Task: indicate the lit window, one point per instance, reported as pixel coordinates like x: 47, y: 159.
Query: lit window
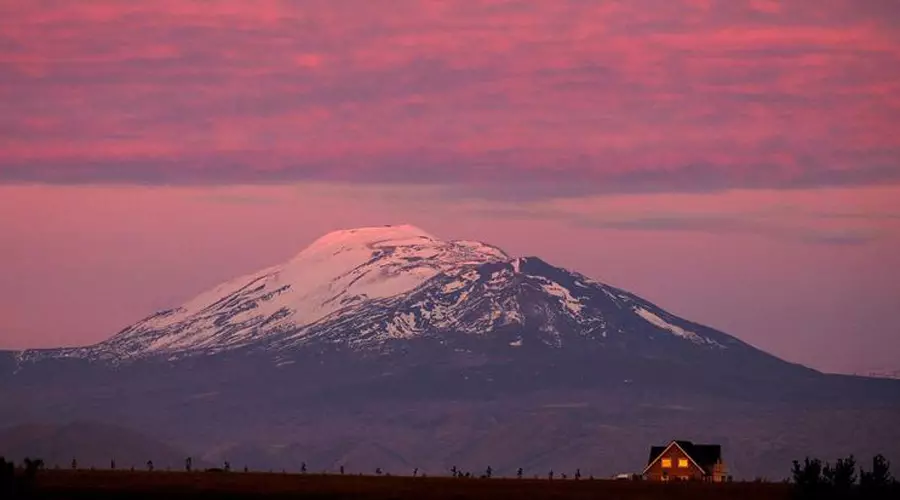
x: 667, y: 463
x: 682, y: 463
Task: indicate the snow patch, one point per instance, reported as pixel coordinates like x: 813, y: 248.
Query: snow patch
x: 571, y: 304
x: 663, y: 324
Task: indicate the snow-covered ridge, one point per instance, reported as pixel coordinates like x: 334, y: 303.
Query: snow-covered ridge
x: 366, y: 287
x: 336, y: 271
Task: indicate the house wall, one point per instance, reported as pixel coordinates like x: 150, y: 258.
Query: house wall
x: 658, y: 473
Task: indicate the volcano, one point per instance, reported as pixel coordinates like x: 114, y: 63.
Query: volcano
x: 375, y: 336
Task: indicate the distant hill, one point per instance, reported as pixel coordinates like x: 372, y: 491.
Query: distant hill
x: 93, y: 444
x: 893, y: 374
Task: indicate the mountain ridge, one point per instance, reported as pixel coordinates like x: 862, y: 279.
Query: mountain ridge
x: 367, y: 287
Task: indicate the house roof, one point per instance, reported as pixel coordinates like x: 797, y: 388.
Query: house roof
x: 704, y: 455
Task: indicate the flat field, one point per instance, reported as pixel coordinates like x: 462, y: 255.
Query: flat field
x: 234, y: 485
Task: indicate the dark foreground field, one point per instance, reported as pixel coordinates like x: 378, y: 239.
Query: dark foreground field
x: 234, y: 485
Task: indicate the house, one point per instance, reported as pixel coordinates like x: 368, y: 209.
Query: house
x: 684, y: 460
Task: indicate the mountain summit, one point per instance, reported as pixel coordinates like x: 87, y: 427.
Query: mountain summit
x: 398, y: 288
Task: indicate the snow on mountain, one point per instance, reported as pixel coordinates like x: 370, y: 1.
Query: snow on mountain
x: 523, y: 301
x: 365, y: 287
x: 335, y: 272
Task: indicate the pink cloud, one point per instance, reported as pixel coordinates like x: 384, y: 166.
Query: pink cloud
x: 649, y: 94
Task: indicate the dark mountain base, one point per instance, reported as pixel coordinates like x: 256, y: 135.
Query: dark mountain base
x: 594, y: 414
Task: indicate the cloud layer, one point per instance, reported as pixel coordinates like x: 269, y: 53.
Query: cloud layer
x: 611, y: 96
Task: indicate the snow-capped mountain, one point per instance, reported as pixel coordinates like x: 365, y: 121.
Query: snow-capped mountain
x: 366, y: 288
x: 442, y: 353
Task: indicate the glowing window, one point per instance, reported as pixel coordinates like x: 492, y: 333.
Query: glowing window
x: 667, y: 463
x: 682, y: 463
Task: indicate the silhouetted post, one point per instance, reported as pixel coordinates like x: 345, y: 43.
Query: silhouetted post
x: 112, y: 464
x: 246, y: 469
x: 519, y: 473
x: 74, y: 464
x: 188, y: 464
x: 342, y: 470
x: 577, y: 474
x: 488, y: 472
x: 550, y: 475
x: 303, y: 468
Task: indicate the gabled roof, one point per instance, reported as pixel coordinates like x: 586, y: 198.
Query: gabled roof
x: 704, y: 456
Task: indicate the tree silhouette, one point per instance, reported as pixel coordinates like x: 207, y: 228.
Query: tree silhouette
x: 303, y: 468
x: 841, y: 476
x: 7, y: 478
x: 880, y: 474
x: 74, y: 464
x: 519, y: 473
x: 12, y: 486
x: 227, y: 466
x: 342, y: 470
x: 550, y: 475
x: 808, y: 475
x: 488, y: 472
x: 378, y: 471
x: 188, y: 464
x: 577, y: 474
x: 150, y: 465
x: 813, y: 480
x: 416, y: 472
x: 454, y: 471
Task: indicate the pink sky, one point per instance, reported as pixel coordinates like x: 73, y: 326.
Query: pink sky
x: 736, y: 162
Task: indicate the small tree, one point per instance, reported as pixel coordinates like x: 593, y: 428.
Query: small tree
x: 841, y: 476
x: 879, y: 476
x: 808, y: 474
x: 577, y: 474
x: 454, y: 471
x: 488, y: 472
x: 150, y: 465
x: 519, y: 473
x: 227, y: 466
x: 188, y: 464
x: 550, y: 475
x: 303, y: 468
x: 7, y: 478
